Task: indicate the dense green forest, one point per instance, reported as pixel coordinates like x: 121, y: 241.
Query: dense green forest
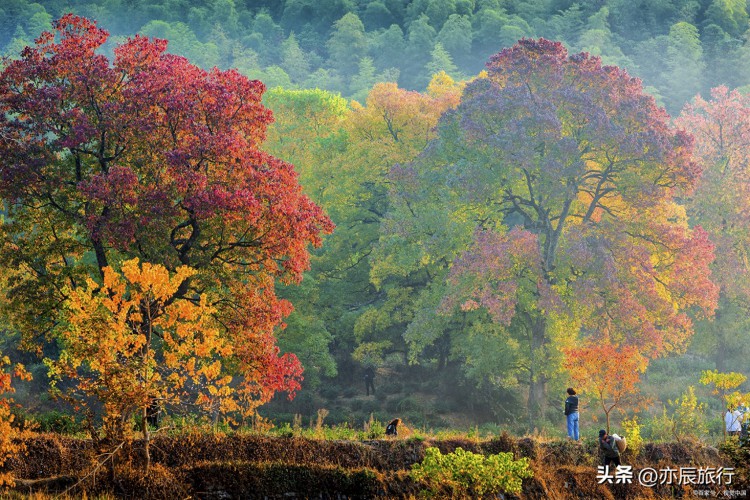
x: 358, y: 89
x: 678, y: 47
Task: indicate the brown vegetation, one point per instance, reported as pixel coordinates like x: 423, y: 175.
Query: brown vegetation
x: 257, y: 466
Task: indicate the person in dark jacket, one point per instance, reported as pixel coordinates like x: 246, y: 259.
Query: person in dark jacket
x: 369, y: 380
x: 392, y: 427
x: 571, y: 414
x: 609, y: 448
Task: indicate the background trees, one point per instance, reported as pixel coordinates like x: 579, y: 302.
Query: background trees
x: 666, y: 43
x: 413, y: 237
x: 551, y: 161
x: 721, y: 127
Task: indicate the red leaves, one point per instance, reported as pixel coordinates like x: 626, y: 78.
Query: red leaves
x: 721, y: 202
x: 149, y: 155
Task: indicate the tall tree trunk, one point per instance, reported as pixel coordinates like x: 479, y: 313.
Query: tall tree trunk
x: 537, y: 401
x: 146, y: 437
x: 146, y: 327
x: 720, y: 349
x: 443, y: 345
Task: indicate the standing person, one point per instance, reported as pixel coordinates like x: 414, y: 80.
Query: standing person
x: 745, y: 426
x: 571, y: 414
x: 733, y: 422
x: 369, y: 377
x: 608, y: 446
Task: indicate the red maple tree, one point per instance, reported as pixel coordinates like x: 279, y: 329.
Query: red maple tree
x: 149, y: 156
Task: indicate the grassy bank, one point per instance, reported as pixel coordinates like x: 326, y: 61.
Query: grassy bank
x: 255, y: 465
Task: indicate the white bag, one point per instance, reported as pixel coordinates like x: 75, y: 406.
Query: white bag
x: 620, y: 442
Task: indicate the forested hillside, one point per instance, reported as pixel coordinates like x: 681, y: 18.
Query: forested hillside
x: 509, y: 222
x: 678, y: 47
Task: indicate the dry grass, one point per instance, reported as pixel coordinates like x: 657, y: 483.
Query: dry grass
x: 186, y: 465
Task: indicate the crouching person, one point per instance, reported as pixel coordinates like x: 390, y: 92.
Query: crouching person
x: 609, y: 449
x: 392, y: 427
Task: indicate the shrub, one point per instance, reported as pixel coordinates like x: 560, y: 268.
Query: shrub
x: 660, y: 428
x: 408, y: 403
x: 632, y: 430
x: 469, y: 474
x: 370, y: 406
x: 392, y: 388
x: 373, y: 428
x: 59, y: 422
x: 9, y: 434
x: 689, y: 416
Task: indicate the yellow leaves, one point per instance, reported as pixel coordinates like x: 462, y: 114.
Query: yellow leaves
x: 722, y: 381
x: 128, y: 340
x: 154, y: 281
x: 443, y: 87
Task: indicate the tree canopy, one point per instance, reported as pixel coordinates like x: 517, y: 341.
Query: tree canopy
x: 568, y: 176
x: 149, y: 156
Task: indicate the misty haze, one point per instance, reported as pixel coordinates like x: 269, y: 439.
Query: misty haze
x: 345, y: 247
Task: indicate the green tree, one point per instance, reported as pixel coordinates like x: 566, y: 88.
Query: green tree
x: 388, y: 47
x: 455, y: 36
x: 420, y: 44
x: 597, y: 40
x: 363, y: 81
x: 684, y: 77
x: 441, y: 61
x: 435, y: 11
x: 566, y: 25
x: 17, y: 43
x: 183, y: 42
x: 377, y: 15
x: 730, y: 15
x: 347, y: 44
x: 225, y: 15
x: 294, y: 60
x: 309, y: 132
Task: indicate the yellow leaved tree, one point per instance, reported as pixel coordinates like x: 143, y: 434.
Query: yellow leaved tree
x: 127, y: 345
x: 725, y: 385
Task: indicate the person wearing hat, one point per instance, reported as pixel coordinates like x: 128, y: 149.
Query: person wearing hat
x: 571, y: 414
x: 609, y: 448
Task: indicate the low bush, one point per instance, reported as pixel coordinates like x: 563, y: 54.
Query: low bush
x: 464, y: 473
x: 632, y: 431
x: 59, y: 422
x: 373, y: 429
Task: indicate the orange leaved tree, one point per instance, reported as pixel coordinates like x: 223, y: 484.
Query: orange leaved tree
x: 9, y: 445
x: 126, y: 345
x: 608, y: 373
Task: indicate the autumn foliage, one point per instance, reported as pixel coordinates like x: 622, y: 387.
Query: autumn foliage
x: 10, y: 445
x: 109, y: 335
x: 721, y: 127
x: 147, y: 156
x: 607, y: 373
x: 590, y: 168
x: 551, y: 199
